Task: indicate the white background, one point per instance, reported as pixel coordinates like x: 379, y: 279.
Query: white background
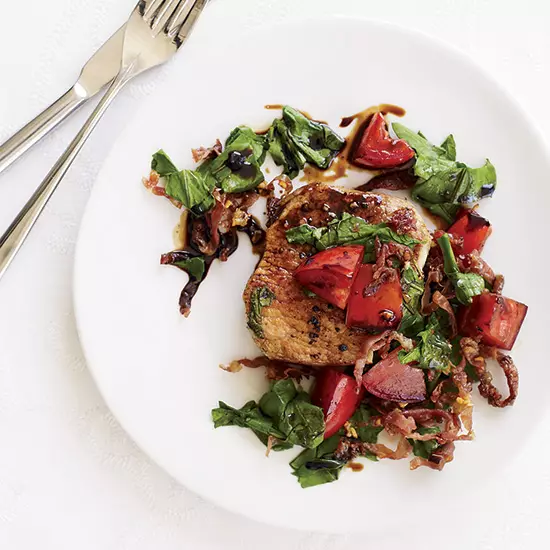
x: 69, y: 476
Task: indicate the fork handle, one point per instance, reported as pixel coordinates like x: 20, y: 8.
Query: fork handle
x: 44, y: 123
x: 17, y: 232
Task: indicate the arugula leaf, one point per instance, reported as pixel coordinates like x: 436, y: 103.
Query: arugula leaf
x: 444, y: 184
x: 191, y: 188
x: 347, y: 230
x: 195, y: 267
x: 317, y: 466
x: 432, y: 351
x: 425, y: 449
x: 249, y: 416
x: 317, y: 142
x: 246, y: 147
x: 412, y: 284
x: 260, y: 298
x: 467, y: 285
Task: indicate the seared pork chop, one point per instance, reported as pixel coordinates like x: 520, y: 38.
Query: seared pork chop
x: 307, y: 330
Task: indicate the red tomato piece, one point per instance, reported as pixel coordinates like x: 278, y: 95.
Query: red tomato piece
x: 330, y: 273
x: 337, y: 394
x: 493, y: 317
x: 374, y: 306
x: 377, y: 149
x: 473, y: 228
x: 392, y: 380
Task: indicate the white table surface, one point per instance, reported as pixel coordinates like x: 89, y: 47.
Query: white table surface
x: 70, y: 478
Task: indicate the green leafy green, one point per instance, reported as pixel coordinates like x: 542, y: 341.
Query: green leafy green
x: 249, y: 416
x: 301, y: 422
x: 308, y: 293
x: 317, y: 466
x: 284, y: 412
x: 252, y: 147
x: 242, y: 138
x: 412, y: 284
x: 295, y: 140
x: 466, y: 285
x: 194, y: 267
x: 316, y: 141
x: 444, y: 184
x: 425, y: 449
x: 283, y: 150
x: 361, y: 421
x: 347, y: 230
x: 191, y: 188
x: 162, y: 164
x: 432, y: 350
x: 260, y: 298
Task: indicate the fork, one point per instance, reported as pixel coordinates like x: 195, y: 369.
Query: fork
x: 155, y: 30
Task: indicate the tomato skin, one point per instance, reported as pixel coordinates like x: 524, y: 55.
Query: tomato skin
x: 474, y: 230
x: 330, y: 273
x: 377, y: 149
x: 337, y: 394
x: 381, y: 310
x: 493, y: 317
x: 392, y: 380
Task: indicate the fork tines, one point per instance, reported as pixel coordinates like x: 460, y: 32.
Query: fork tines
x: 174, y: 17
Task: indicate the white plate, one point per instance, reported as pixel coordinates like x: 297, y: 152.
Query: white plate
x: 159, y: 372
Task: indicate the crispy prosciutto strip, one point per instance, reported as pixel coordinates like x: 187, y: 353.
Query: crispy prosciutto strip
x: 477, y: 355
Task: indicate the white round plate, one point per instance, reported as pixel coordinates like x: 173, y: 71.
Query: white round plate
x: 159, y: 371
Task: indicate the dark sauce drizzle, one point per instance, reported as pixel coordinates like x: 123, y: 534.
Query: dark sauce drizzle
x: 229, y: 242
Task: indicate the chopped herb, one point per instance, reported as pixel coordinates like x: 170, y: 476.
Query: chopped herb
x: 260, y: 298
x: 467, y: 285
x: 444, y: 185
x: 308, y: 293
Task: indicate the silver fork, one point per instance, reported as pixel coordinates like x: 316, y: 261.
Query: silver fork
x: 155, y: 31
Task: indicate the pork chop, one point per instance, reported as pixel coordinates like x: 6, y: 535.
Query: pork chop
x: 307, y: 330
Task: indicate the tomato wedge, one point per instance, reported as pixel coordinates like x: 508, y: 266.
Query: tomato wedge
x: 374, y: 306
x: 474, y: 230
x: 337, y: 394
x: 392, y: 380
x: 493, y: 317
x: 377, y: 149
x: 331, y: 273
